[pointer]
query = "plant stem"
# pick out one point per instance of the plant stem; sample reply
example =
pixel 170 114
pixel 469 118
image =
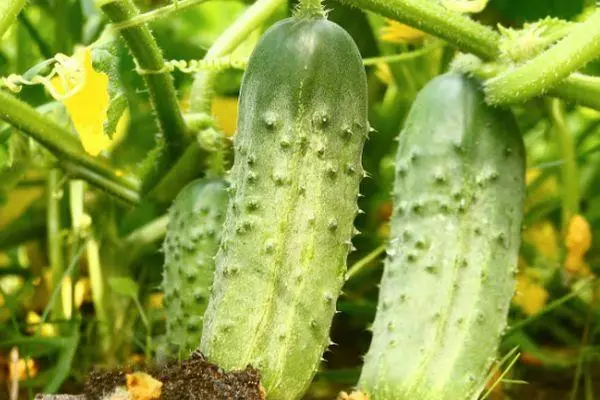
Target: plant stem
pixel 44 47
pixel 62 144
pixel 140 41
pixel 9 9
pixel 311 8
pixel 546 70
pixel 569 171
pixel 234 35
pixel 403 56
pixel 361 264
pixel 578 88
pixel 126 194
pixel 157 13
pixel 144 239
pixel 55 238
pixel 431 17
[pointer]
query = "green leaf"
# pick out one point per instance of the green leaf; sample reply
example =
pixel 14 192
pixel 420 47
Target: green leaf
pixel 105 58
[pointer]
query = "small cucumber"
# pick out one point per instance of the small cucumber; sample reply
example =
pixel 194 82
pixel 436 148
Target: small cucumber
pixel 193 234
pixel 302 124
pixel 448 276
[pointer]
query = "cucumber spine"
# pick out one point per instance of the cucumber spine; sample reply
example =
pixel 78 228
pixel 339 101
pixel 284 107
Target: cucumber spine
pixel 448 276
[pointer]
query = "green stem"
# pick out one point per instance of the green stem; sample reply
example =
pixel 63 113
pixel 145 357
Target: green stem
pixel 311 8
pixel 149 58
pixel 161 12
pixel 569 171
pixel 403 56
pixel 431 17
pixel 9 9
pixel 55 238
pixel 129 196
pixel 44 47
pixel 144 239
pixel 546 70
pixel 61 143
pixel 203 86
pixel 360 265
pixel 98 286
pixel 187 168
pixel 579 88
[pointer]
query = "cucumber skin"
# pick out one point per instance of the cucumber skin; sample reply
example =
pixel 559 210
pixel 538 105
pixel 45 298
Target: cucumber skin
pixel 193 234
pixel 302 124
pixel 449 274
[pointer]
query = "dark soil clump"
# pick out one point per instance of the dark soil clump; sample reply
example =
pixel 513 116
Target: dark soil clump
pixel 192 379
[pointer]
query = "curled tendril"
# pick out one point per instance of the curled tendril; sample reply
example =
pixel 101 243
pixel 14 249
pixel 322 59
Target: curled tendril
pixel 195 66
pixel 69 71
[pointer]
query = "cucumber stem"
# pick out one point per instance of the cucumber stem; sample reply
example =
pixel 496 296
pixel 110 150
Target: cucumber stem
pixel 544 71
pixel 311 8
pixel 163 98
pixel 9 9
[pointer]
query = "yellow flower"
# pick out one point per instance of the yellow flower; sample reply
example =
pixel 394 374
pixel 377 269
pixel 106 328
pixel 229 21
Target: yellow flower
pixel 530 295
pixel 396 32
pixel 578 241
pixel 21 369
pixel 157 301
pixel 142 386
pixel 84 92
pixel 544 237
pixel 384 73
pixel 46 329
pixel 225 111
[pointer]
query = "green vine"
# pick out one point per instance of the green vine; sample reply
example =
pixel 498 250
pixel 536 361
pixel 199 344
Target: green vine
pixel 431 17
pixel 160 86
pixel 546 70
pixel 66 148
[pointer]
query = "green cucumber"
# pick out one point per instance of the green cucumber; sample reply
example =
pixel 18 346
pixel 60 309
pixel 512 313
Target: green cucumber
pixel 302 124
pixel 448 277
pixel 193 233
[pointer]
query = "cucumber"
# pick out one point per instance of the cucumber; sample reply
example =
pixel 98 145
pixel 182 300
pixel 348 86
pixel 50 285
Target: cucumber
pixel 193 233
pixel 302 123
pixel 449 272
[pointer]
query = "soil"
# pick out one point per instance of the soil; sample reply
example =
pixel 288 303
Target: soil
pixel 193 379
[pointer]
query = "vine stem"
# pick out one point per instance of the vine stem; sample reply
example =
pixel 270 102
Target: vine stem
pixel 547 69
pixel 569 170
pixel 9 9
pixel 159 82
pixel 431 17
pixel 66 148
pixel 579 88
